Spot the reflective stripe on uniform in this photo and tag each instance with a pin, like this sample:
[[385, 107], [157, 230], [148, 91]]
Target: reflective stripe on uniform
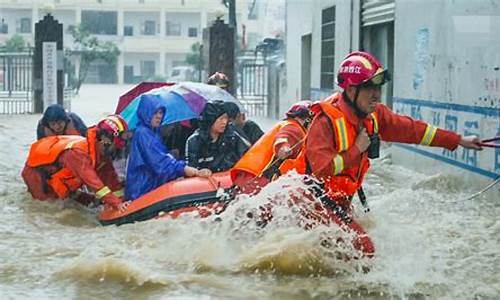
[[70, 144], [429, 134], [342, 134], [338, 164], [118, 193], [280, 141], [102, 192], [117, 122], [375, 122]]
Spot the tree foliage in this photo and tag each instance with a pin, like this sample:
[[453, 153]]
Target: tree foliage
[[15, 44], [90, 49], [194, 58]]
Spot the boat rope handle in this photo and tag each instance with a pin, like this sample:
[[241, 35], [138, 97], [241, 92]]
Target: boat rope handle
[[493, 139]]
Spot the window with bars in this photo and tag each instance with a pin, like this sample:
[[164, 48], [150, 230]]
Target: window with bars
[[173, 28], [192, 32], [327, 48], [149, 27], [148, 68], [100, 22]]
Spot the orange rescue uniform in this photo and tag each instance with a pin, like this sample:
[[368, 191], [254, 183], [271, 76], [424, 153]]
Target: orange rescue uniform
[[59, 165], [247, 173], [330, 148]]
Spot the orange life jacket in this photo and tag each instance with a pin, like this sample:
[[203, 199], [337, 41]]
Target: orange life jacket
[[47, 150], [258, 158], [346, 181]]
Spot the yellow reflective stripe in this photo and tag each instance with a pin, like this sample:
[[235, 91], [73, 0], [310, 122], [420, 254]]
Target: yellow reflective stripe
[[338, 164], [118, 193], [280, 141], [102, 192], [70, 144], [342, 134], [117, 122], [375, 123], [429, 134]]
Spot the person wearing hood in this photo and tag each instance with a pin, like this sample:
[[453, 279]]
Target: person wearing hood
[[247, 128], [59, 166], [215, 145], [56, 121], [150, 164]]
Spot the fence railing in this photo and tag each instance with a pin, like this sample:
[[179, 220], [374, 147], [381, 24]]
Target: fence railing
[[20, 102], [16, 75], [253, 87]]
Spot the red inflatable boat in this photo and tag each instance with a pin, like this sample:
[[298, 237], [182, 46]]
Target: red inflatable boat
[[206, 196], [173, 198]]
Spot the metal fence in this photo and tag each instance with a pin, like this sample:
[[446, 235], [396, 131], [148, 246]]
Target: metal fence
[[16, 92], [253, 78]]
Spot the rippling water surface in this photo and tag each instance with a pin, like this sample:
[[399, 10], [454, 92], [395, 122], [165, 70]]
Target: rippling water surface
[[430, 243]]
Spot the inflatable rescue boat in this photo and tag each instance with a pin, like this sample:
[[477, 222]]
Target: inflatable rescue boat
[[174, 198], [208, 196]]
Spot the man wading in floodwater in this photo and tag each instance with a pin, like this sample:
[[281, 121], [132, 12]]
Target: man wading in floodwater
[[348, 127]]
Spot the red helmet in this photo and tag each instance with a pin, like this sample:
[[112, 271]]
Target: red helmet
[[300, 109], [114, 126], [219, 79], [361, 68]]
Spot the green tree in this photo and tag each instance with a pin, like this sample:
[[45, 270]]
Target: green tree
[[89, 49], [195, 58], [15, 44]]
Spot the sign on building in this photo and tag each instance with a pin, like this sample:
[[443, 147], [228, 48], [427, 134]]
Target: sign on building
[[49, 69]]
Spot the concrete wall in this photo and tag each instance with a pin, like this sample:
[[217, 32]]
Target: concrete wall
[[304, 17], [137, 19], [186, 20], [447, 74], [170, 49], [12, 17]]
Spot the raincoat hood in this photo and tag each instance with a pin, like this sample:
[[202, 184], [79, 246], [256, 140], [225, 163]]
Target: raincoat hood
[[148, 106], [54, 112], [232, 109], [210, 113]]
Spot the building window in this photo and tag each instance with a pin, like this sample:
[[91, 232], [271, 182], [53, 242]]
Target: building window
[[70, 29], [4, 27], [192, 32], [327, 48], [149, 28], [173, 28], [25, 25], [147, 68], [128, 30], [100, 22]]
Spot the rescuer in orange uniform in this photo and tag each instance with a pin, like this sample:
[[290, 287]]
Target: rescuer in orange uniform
[[348, 127], [57, 166], [276, 152]]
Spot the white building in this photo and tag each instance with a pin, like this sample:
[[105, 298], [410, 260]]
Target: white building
[[443, 56], [153, 35]]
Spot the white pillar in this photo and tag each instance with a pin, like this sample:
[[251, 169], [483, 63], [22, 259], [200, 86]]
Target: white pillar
[[34, 19], [163, 23], [120, 67], [162, 71], [203, 20], [78, 16], [77, 67], [120, 22]]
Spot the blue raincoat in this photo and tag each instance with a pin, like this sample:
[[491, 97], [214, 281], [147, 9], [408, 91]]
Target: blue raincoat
[[150, 164]]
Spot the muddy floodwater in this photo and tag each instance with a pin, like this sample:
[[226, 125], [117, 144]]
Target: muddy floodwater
[[430, 243]]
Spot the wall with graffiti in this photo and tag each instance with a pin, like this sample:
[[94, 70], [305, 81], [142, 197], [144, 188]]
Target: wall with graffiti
[[447, 73]]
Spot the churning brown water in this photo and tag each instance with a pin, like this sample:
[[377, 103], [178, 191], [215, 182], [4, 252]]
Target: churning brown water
[[428, 245]]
